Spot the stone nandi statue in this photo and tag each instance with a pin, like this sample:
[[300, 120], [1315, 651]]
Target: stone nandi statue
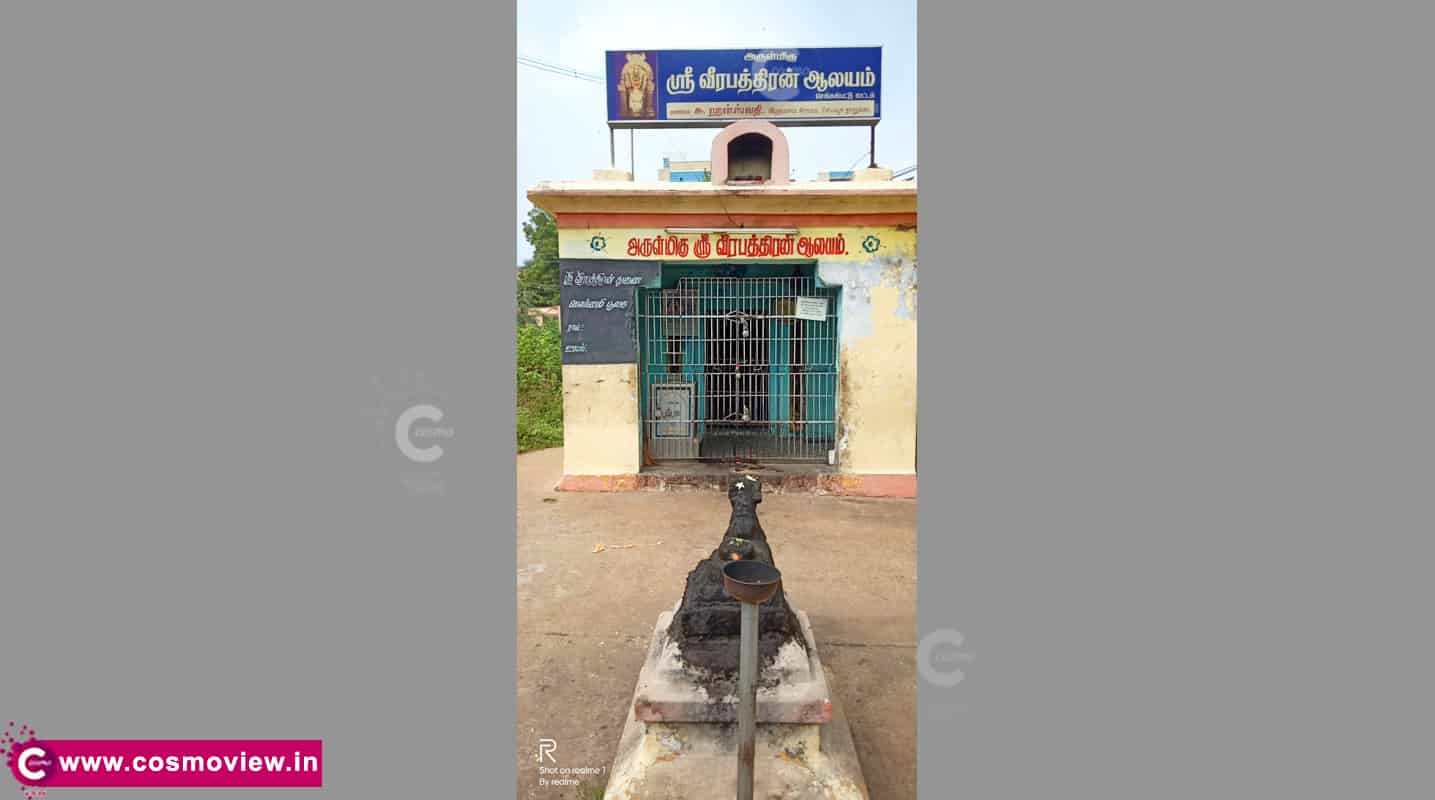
[[707, 624]]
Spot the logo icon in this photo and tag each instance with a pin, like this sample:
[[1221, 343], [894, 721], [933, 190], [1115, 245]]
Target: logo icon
[[34, 763], [546, 747], [929, 661], [598, 243], [407, 419], [31, 761], [405, 433], [871, 243]]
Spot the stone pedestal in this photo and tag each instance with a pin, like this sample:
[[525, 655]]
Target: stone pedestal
[[680, 741], [793, 688]]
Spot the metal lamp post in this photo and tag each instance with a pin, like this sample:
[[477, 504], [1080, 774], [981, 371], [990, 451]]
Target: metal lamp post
[[751, 583]]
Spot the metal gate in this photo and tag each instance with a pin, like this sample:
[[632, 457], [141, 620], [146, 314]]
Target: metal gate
[[739, 369]]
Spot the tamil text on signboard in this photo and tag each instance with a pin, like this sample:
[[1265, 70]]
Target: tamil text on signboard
[[834, 85], [599, 309]]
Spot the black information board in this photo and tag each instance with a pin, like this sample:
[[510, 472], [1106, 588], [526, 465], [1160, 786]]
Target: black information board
[[599, 308]]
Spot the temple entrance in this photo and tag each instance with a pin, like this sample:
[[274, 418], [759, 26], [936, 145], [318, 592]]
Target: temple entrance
[[739, 368]]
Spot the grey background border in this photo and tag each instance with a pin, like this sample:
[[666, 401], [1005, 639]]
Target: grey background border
[[1176, 398], [238, 239], [1171, 487]]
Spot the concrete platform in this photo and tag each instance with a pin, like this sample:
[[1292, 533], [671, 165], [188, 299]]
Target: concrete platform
[[698, 761], [796, 685], [679, 743]]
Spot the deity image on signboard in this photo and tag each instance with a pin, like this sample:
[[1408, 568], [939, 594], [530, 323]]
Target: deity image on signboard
[[638, 88]]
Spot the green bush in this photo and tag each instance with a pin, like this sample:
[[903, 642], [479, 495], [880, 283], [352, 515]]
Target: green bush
[[540, 387]]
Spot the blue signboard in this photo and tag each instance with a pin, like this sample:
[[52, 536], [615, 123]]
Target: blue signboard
[[826, 85]]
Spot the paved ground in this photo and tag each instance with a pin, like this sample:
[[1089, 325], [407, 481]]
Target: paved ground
[[585, 618]]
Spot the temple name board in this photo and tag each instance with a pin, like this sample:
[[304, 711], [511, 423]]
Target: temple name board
[[723, 245], [833, 85]]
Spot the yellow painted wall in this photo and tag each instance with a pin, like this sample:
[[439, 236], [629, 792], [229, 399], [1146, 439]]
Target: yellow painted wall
[[600, 419], [877, 402], [878, 409]]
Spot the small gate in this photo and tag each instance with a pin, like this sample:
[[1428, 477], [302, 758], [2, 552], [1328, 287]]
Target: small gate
[[739, 369]]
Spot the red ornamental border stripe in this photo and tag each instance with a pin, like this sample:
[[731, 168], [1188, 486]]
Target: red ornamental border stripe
[[614, 220]]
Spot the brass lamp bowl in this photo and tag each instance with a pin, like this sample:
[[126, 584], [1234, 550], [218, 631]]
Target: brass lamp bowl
[[750, 581]]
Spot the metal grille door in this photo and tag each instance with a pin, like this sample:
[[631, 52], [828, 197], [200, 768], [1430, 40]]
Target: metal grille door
[[739, 369]]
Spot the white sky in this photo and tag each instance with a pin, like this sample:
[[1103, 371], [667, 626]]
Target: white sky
[[562, 121]]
